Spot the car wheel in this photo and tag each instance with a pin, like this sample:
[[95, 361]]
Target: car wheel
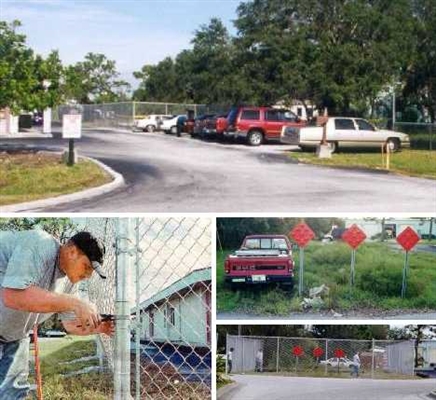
[[333, 147], [393, 144], [255, 138], [173, 130], [150, 128]]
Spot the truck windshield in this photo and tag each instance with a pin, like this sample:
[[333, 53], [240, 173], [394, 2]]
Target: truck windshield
[[265, 243]]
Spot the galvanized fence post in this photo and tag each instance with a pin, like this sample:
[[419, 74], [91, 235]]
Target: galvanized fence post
[[122, 312], [373, 359], [326, 355], [278, 354], [138, 315]]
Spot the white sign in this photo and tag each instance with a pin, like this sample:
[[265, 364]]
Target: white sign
[[72, 126]]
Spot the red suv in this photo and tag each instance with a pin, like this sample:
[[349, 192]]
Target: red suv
[[257, 124]]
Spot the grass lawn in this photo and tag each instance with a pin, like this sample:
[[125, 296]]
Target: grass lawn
[[31, 176], [421, 163], [55, 351], [377, 287]]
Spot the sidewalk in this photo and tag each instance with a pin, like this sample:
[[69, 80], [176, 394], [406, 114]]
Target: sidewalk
[[28, 134]]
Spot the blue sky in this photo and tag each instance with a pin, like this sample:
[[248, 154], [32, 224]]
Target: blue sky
[[131, 32]]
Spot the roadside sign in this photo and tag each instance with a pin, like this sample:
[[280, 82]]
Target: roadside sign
[[353, 236], [318, 352], [297, 351], [302, 234], [339, 353], [408, 239], [71, 126]]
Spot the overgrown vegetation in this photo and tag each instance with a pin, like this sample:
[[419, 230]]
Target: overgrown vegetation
[[409, 162], [32, 176], [54, 353], [377, 287]]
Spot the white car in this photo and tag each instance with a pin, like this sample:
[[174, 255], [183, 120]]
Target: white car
[[343, 362], [150, 123], [169, 125], [345, 132]]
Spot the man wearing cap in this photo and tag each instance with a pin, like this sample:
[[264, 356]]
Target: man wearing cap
[[37, 279]]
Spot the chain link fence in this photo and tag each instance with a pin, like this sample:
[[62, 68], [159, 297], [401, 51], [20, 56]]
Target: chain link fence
[[123, 114], [159, 288], [326, 357], [422, 135]]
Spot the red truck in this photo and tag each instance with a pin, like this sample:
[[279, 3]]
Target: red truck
[[257, 124], [261, 259]]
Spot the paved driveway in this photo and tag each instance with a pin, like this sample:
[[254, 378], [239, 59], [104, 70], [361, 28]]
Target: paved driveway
[[252, 387], [169, 174]]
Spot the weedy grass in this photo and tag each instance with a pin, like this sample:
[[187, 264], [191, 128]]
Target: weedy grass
[[378, 279], [34, 176], [407, 161]]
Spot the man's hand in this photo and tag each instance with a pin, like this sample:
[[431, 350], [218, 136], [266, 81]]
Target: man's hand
[[106, 327], [87, 315]]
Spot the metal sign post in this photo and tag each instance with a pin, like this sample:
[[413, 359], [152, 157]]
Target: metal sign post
[[302, 235], [71, 129], [407, 240], [353, 236]]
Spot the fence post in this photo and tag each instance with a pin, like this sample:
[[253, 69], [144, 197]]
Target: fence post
[[243, 356], [138, 326], [227, 353], [278, 350], [373, 359], [326, 355], [122, 312]]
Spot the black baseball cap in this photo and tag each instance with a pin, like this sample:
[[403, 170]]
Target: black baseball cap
[[92, 248]]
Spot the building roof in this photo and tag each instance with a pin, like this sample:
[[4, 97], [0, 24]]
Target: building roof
[[194, 277]]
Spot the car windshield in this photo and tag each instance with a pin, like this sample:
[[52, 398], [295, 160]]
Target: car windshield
[[266, 243]]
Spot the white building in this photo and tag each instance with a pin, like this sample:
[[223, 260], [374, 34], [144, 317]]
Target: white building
[[181, 313]]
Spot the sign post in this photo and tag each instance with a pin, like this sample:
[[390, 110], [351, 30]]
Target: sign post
[[302, 234], [317, 353], [353, 236], [339, 353], [407, 240], [71, 129], [297, 351]]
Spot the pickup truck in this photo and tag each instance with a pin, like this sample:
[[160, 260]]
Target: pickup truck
[[261, 259], [344, 132], [257, 124]]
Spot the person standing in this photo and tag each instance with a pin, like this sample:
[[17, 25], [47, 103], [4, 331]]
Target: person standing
[[259, 361], [37, 279], [230, 360], [356, 364]]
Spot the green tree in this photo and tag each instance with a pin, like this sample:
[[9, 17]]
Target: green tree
[[94, 80], [22, 73], [358, 332], [337, 54]]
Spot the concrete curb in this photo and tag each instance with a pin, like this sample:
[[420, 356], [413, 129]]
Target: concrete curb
[[67, 198], [226, 390], [432, 394]]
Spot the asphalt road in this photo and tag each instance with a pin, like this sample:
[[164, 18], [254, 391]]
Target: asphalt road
[[290, 388], [169, 174]]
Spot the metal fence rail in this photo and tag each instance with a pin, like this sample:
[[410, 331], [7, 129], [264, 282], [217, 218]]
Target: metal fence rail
[[159, 287], [123, 114], [319, 357]]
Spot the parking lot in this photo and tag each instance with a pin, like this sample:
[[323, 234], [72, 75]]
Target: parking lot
[[165, 173]]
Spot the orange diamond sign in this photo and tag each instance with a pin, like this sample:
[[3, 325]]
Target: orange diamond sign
[[354, 236], [302, 234], [408, 239]]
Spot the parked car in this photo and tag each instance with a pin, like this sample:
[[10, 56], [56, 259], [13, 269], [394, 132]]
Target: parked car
[[257, 124], [334, 361], [261, 259], [174, 125], [54, 333], [150, 123], [200, 124], [345, 132]]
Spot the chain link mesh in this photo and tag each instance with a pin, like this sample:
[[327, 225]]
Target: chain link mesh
[[325, 357], [171, 304]]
